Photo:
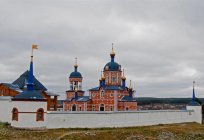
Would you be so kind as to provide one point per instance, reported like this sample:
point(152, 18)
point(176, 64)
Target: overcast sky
point(159, 43)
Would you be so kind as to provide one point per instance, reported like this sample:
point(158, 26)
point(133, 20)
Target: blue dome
point(29, 94)
point(75, 74)
point(113, 66)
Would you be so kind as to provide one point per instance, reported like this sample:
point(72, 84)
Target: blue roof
point(112, 66)
point(127, 99)
point(75, 74)
point(12, 86)
point(108, 88)
point(29, 94)
point(193, 103)
point(79, 99)
point(21, 82)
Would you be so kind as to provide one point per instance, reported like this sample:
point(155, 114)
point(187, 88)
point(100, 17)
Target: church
point(111, 94)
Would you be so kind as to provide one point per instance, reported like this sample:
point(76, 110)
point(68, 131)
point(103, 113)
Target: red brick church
point(111, 94)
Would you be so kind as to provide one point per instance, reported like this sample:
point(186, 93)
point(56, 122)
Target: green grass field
point(187, 131)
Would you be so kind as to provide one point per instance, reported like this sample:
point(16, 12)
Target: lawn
point(184, 131)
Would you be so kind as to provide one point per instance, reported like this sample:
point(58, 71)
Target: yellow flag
point(34, 46)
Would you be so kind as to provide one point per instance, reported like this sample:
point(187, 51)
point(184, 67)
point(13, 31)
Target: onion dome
point(112, 66)
point(102, 76)
point(123, 77)
point(75, 73)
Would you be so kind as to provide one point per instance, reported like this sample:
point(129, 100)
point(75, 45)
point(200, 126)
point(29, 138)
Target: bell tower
point(75, 83)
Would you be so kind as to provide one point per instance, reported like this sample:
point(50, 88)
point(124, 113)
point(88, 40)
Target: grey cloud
point(158, 43)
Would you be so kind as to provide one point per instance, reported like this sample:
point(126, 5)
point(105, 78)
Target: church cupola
point(123, 79)
point(75, 78)
point(130, 89)
point(102, 80)
point(112, 65)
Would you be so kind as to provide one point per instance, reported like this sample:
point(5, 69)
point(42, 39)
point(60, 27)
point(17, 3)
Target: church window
point(111, 95)
point(40, 115)
point(93, 95)
point(106, 67)
point(113, 79)
point(107, 79)
point(101, 93)
point(15, 114)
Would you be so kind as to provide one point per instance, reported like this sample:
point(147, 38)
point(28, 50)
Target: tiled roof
point(96, 88)
point(127, 99)
point(21, 82)
point(29, 94)
point(194, 103)
point(79, 99)
point(108, 88)
point(51, 94)
point(12, 86)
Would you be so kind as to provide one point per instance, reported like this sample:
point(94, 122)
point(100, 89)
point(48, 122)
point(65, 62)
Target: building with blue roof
point(111, 94)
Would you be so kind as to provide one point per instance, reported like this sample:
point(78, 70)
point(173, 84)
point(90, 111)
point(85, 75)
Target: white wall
point(198, 112)
point(117, 119)
point(27, 114)
point(5, 109)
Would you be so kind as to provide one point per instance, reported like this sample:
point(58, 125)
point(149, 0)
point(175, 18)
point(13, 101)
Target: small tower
point(75, 82)
point(75, 78)
point(193, 100)
point(33, 102)
point(130, 89)
point(195, 106)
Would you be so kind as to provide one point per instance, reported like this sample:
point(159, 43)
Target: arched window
point(40, 115)
point(74, 108)
point(107, 79)
point(102, 94)
point(102, 108)
point(113, 79)
point(15, 114)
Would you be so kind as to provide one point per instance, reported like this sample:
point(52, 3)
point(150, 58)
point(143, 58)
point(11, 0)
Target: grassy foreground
point(187, 131)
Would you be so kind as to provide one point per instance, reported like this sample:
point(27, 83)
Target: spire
point(75, 65)
point(193, 98)
point(112, 54)
point(30, 82)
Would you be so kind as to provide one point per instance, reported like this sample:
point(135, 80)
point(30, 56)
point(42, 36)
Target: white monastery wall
point(27, 114)
point(5, 109)
point(119, 119)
